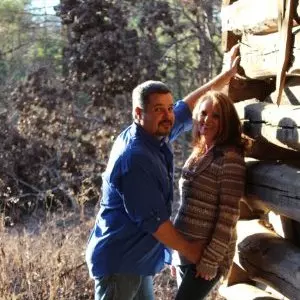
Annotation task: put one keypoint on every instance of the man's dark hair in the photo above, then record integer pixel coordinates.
(140, 95)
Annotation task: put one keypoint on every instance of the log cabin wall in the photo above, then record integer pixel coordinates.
(266, 93)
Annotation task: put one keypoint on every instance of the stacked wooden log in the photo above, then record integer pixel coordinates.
(267, 96)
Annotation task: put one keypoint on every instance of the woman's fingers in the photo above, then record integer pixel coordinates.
(204, 276)
(231, 59)
(236, 62)
(173, 271)
(234, 50)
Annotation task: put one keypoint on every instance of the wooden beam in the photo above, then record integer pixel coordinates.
(278, 125)
(261, 148)
(296, 231)
(247, 212)
(229, 39)
(284, 54)
(252, 16)
(249, 292)
(290, 94)
(237, 275)
(260, 54)
(282, 225)
(245, 229)
(277, 185)
(273, 261)
(257, 205)
(241, 89)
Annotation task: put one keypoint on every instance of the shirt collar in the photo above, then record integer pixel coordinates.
(138, 130)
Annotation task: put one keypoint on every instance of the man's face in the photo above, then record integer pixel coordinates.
(158, 117)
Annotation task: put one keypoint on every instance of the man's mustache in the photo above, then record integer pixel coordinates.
(166, 122)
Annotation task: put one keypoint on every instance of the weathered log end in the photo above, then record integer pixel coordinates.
(261, 148)
(273, 261)
(245, 292)
(277, 185)
(273, 124)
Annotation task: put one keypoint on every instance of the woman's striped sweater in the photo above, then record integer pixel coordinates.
(210, 192)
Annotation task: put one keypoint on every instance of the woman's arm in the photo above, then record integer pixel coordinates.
(232, 182)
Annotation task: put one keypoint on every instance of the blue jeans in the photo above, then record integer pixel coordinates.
(124, 287)
(192, 288)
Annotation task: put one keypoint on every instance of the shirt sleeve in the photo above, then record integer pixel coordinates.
(142, 195)
(183, 119)
(232, 181)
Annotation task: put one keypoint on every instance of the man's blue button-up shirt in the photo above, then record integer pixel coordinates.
(137, 194)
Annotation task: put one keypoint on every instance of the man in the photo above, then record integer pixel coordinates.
(132, 233)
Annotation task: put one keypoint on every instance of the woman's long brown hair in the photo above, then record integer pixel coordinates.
(230, 128)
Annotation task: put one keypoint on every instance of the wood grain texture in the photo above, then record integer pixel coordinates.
(252, 16)
(260, 54)
(278, 125)
(277, 185)
(246, 291)
(290, 93)
(272, 261)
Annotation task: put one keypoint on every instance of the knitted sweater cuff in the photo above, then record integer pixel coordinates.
(210, 270)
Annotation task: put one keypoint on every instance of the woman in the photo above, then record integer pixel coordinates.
(211, 186)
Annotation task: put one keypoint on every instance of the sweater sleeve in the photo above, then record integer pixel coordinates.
(231, 189)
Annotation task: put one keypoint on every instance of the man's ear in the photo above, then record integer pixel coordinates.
(138, 113)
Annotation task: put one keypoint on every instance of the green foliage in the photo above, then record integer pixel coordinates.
(3, 70)
(193, 55)
(113, 45)
(10, 23)
(29, 38)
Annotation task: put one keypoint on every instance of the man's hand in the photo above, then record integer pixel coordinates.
(168, 235)
(194, 251)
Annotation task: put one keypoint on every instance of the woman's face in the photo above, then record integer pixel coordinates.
(208, 118)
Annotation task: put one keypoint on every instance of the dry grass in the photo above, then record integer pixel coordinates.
(45, 260)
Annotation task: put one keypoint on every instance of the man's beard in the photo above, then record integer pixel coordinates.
(164, 128)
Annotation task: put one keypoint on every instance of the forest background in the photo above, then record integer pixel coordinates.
(65, 85)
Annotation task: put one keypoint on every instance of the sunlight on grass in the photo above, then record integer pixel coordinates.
(46, 261)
